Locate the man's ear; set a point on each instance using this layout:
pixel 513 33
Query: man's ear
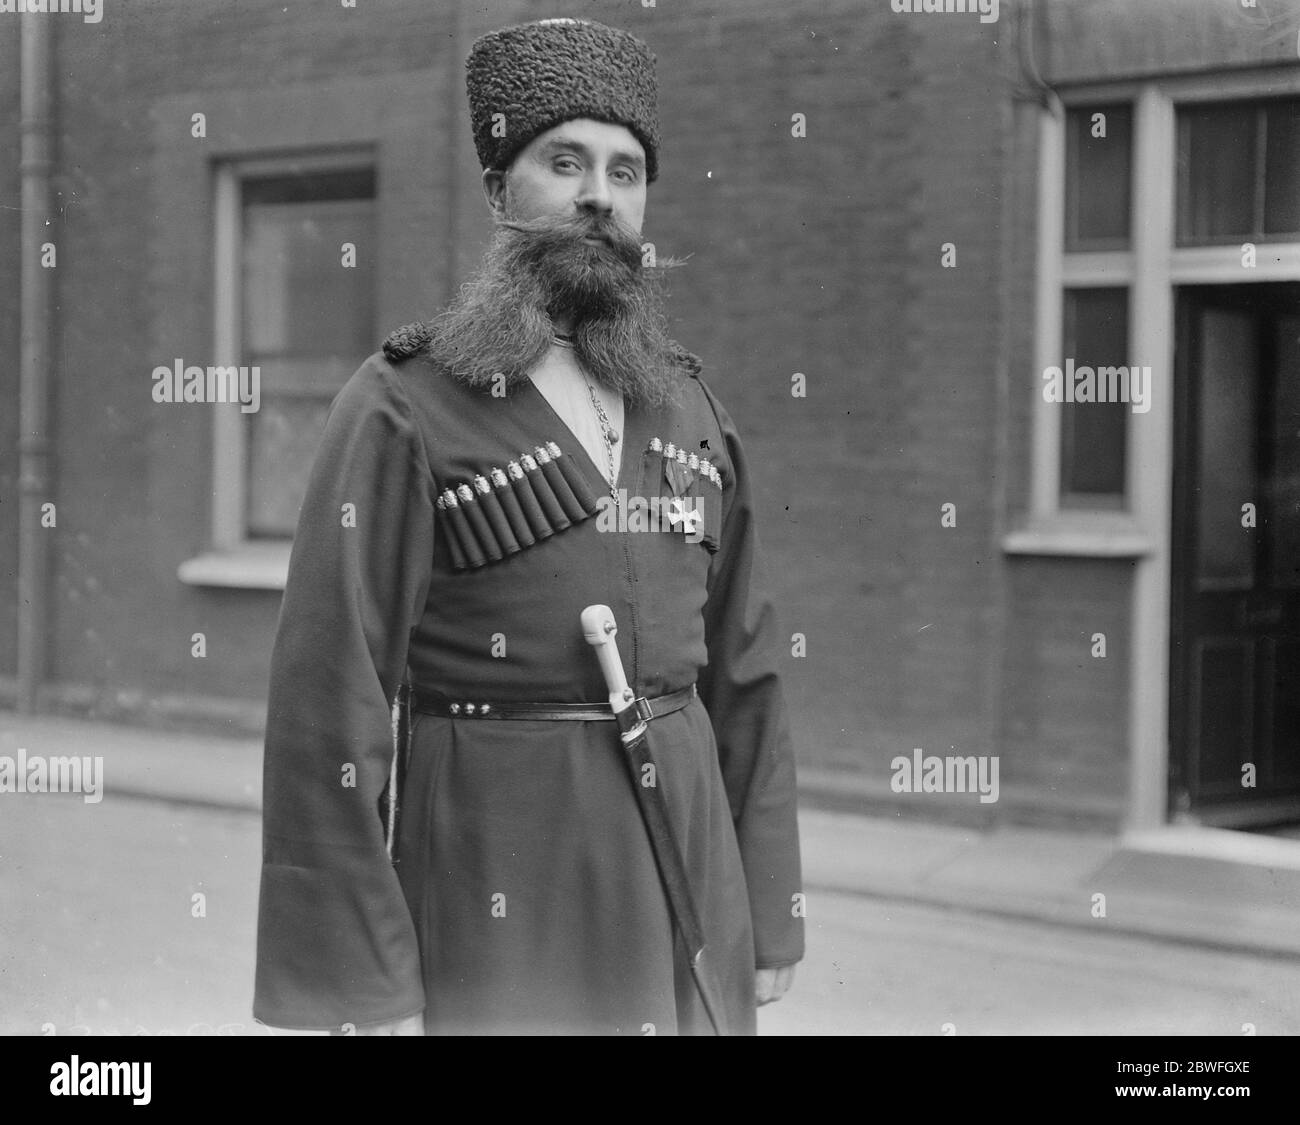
pixel 494 190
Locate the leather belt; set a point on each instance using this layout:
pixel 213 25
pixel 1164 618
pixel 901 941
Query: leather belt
pixel 434 703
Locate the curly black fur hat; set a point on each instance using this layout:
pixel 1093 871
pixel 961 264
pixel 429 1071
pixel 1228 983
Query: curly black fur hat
pixel 543 73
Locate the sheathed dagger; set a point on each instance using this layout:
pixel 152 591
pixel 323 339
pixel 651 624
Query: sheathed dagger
pixel 599 629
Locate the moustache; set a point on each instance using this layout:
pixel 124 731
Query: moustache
pixel 601 236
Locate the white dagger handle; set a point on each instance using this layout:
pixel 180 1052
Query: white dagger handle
pixel 599 629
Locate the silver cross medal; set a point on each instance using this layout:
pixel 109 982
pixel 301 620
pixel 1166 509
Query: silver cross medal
pixel 689 518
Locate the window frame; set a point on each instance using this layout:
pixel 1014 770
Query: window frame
pixel 1149 269
pixel 230 426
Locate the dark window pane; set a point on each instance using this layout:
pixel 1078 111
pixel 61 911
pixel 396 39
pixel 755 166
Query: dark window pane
pixel 1282 169
pixel 1098 174
pixel 1093 434
pixel 310 187
pixel 307 321
pixel 1239 172
pixel 1216 161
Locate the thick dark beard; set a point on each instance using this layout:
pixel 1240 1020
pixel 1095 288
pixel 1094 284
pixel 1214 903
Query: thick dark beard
pixel 500 324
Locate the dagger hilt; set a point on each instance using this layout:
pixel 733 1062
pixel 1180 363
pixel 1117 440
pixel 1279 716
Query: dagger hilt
pixel 599 630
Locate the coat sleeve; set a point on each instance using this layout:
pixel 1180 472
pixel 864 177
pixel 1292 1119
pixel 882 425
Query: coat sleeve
pixel 741 688
pixel 335 940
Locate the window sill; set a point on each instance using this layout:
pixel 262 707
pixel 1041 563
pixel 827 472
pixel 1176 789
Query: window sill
pixel 248 566
pixel 1096 535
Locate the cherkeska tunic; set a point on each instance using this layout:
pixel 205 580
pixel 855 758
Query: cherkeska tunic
pixel 524 897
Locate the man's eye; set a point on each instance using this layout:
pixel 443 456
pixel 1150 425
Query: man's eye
pixel 565 163
pixel 625 175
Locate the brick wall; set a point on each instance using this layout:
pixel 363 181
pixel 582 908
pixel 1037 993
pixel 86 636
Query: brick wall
pixel 135 288
pixel 1085 40
pixel 818 255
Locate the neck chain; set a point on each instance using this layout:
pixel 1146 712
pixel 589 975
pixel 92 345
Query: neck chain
pixel 608 434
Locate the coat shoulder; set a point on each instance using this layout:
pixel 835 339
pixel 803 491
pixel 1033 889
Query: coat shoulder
pixel 689 361
pixel 407 341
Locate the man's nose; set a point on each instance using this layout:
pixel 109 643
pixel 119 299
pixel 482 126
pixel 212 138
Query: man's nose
pixel 595 196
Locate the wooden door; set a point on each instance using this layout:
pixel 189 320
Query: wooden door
pixel 1235 685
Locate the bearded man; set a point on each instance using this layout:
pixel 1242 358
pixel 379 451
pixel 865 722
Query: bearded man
pixel 478 456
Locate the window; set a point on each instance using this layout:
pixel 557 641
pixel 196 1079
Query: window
pixel 1094 319
pixel 1143 187
pixel 295 294
pixel 306 319
pixel 1239 172
pixel 1098 157
pixel 1093 434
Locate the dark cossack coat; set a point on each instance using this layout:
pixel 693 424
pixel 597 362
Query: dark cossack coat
pixel 524 895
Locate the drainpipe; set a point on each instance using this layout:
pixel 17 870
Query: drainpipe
pixel 36 287
pixel 451 155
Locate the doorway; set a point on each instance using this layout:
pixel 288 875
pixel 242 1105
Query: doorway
pixel 1234 720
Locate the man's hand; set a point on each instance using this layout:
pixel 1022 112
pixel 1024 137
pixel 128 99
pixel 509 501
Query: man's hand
pixel 411 1025
pixel 771 984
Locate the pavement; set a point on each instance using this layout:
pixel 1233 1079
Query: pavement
pixel 1195 886
pixel 137 916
